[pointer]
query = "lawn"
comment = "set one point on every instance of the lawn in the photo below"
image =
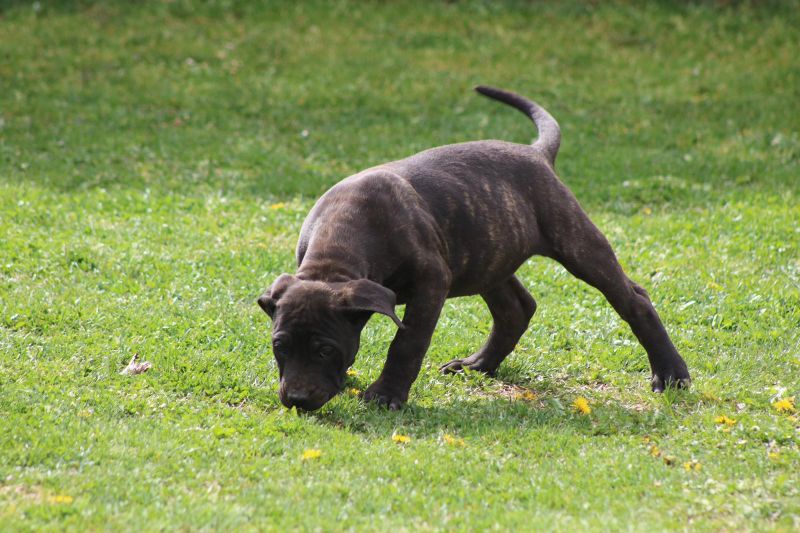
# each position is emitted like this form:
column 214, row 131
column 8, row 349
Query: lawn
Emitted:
column 157, row 160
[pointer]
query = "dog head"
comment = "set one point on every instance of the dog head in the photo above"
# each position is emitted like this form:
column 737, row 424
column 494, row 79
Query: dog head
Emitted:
column 316, row 330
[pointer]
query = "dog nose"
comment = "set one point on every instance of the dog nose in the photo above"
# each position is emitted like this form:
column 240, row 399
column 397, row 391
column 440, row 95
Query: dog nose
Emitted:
column 300, row 401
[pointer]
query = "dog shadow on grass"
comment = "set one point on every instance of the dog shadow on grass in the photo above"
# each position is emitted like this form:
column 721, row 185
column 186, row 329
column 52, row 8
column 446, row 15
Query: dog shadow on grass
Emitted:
column 503, row 407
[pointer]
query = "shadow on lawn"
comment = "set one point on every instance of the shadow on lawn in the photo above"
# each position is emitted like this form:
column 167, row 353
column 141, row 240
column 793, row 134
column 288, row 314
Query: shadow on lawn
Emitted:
column 492, row 415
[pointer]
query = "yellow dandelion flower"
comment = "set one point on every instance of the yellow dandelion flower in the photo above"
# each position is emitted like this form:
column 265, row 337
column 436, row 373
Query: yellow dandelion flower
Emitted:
column 453, row 441
column 581, row 405
column 722, row 419
column 646, row 439
column 654, row 451
column 647, row 211
column 785, row 405
column 60, row 498
column 351, row 372
column 310, row 454
column 279, row 205
column 714, row 285
column 691, row 465
column 527, row 395
column 774, row 456
column 401, row 439
column 354, row 391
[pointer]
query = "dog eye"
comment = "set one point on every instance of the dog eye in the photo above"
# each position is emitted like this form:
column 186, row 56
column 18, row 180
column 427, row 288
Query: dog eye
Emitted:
column 279, row 348
column 326, row 351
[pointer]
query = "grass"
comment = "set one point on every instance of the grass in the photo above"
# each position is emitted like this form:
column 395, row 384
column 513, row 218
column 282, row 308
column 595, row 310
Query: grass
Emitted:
column 157, row 160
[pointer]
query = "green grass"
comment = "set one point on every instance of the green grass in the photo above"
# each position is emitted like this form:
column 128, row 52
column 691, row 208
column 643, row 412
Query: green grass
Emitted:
column 157, row 160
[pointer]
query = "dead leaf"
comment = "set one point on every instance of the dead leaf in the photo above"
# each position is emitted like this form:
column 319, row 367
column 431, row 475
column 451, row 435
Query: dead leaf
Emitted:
column 134, row 367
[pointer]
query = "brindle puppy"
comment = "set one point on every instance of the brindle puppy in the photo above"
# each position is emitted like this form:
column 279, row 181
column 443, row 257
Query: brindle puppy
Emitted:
column 450, row 221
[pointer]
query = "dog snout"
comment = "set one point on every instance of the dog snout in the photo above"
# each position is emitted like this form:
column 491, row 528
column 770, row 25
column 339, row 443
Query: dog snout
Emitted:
column 303, row 400
column 300, row 401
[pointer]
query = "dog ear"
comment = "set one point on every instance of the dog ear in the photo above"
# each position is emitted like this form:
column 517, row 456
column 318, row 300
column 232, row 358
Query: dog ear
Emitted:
column 269, row 299
column 366, row 295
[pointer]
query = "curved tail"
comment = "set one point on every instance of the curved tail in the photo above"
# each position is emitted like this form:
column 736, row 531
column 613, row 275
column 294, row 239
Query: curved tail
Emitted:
column 549, row 133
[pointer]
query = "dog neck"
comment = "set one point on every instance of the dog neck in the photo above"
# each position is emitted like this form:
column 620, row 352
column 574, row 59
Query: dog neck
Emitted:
column 329, row 268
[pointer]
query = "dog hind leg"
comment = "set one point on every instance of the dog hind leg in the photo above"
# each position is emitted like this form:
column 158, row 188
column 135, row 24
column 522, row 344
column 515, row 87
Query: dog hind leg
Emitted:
column 512, row 308
column 593, row 261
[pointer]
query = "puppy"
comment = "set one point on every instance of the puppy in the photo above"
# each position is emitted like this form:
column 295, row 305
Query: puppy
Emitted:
column 450, row 221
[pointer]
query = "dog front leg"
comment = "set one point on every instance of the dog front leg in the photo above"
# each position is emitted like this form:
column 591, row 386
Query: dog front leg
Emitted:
column 407, row 350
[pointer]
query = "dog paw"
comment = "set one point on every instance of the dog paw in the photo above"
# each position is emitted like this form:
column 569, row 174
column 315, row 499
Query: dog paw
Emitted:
column 379, row 395
column 451, row 367
column 457, row 365
column 670, row 381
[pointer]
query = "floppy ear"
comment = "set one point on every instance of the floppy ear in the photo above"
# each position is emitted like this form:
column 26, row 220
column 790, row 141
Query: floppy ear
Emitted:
column 366, row 295
column 269, row 299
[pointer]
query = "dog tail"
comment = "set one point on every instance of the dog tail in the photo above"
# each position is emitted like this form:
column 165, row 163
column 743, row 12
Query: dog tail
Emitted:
column 549, row 133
